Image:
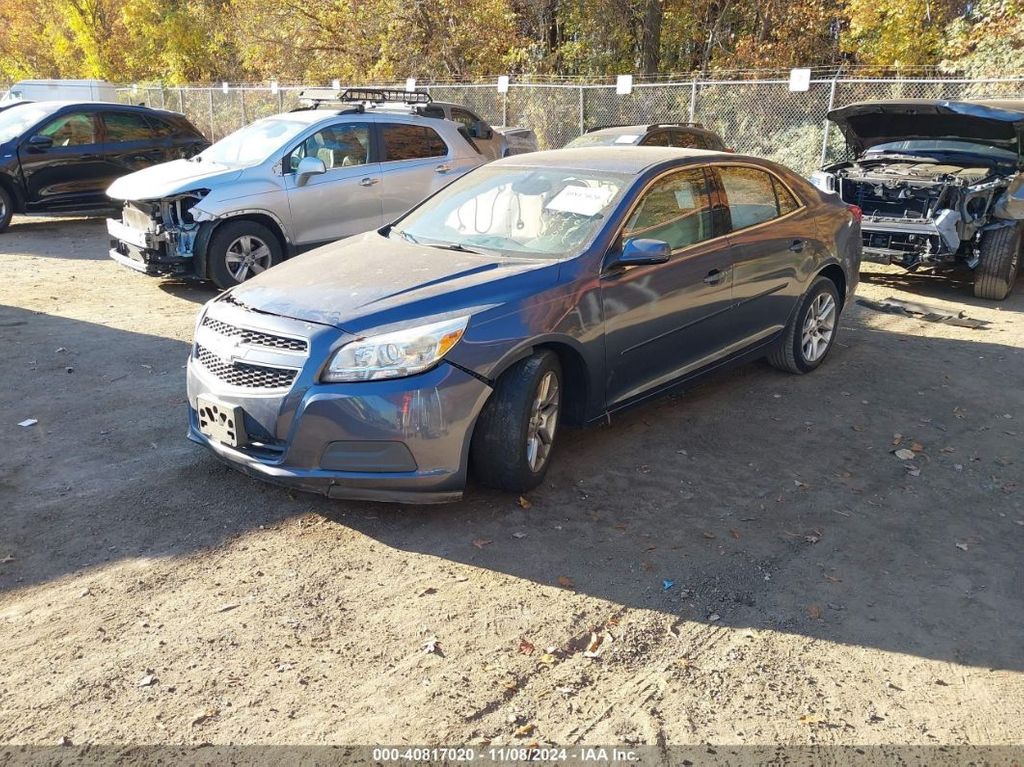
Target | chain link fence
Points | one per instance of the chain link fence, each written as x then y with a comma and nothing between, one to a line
760,117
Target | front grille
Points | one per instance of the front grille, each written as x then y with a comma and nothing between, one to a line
243,374
256,337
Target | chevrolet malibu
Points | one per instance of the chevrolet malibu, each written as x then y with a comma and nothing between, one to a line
544,289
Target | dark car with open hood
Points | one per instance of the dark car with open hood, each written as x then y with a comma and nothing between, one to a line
939,184
60,156
541,289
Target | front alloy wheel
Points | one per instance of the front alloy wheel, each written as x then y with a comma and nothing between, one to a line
543,419
247,256
515,433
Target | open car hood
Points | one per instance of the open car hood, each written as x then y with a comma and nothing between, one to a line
869,123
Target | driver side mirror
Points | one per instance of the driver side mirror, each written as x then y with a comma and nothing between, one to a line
641,251
309,166
40,143
481,130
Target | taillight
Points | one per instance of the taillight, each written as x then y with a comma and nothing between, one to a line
856,212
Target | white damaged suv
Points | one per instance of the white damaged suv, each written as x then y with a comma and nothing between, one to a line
286,183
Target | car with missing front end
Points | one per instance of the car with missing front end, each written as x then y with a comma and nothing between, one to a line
287,183
539,290
939,183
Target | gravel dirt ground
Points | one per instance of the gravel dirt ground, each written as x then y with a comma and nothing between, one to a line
763,567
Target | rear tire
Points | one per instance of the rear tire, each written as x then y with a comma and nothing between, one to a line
6,208
239,250
999,264
811,331
515,434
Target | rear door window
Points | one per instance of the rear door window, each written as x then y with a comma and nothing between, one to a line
465,117
411,142
122,127
750,195
676,209
74,129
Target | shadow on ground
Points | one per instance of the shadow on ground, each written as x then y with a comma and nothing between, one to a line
757,499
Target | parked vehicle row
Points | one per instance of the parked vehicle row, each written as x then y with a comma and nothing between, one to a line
473,302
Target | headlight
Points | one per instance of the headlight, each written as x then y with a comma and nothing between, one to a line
824,181
395,355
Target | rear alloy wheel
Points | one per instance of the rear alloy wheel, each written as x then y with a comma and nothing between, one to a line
999,262
515,434
811,331
239,250
6,208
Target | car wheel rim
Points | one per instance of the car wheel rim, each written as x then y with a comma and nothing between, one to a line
540,433
819,327
246,256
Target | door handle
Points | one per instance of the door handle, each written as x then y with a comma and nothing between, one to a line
368,181
443,168
796,246
715,276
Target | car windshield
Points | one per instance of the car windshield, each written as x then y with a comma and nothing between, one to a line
517,211
254,143
603,139
924,146
18,119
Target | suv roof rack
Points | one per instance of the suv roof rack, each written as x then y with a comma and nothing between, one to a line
363,95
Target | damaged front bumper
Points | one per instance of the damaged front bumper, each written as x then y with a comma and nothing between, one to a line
911,242
143,240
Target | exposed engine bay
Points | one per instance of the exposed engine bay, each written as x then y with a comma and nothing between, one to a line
919,210
163,227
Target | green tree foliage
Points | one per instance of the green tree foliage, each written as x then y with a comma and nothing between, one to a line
211,40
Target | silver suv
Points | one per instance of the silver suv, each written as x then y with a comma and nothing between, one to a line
285,183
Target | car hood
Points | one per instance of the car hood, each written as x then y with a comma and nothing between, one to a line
869,123
370,281
170,178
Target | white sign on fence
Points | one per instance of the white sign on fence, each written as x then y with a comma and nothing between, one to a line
503,84
624,85
799,79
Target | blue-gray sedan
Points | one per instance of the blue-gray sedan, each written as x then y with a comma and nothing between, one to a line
544,289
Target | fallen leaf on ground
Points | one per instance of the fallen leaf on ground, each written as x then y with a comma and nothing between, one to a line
204,715
548,659
917,447
812,719
481,542
597,644
814,612
734,533
832,578
566,582
709,535
526,647
905,455
524,502
525,730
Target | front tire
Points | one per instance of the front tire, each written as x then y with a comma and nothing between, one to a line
999,262
6,208
811,331
515,433
239,250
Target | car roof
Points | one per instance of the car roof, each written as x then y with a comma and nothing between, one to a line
609,159
53,106
625,130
